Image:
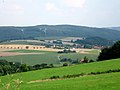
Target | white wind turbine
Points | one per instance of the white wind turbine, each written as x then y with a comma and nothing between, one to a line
45,31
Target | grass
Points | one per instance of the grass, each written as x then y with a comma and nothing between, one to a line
97,82
45,57
75,69
96,52
33,59
49,38
29,51
17,42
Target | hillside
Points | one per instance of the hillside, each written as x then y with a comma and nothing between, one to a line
35,80
115,28
31,32
99,41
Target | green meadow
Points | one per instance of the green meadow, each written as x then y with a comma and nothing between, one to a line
98,82
109,81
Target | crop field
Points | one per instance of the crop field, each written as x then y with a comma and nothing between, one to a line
32,57
98,82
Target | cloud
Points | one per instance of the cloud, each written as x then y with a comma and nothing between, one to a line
74,3
18,8
12,9
50,6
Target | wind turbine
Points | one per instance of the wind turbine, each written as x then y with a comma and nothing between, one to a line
40,29
22,30
45,31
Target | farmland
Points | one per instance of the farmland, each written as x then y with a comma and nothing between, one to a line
98,82
32,57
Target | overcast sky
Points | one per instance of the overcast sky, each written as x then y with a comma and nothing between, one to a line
98,13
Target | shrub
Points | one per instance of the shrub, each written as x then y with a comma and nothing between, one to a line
65,64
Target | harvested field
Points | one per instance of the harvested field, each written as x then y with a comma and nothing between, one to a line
35,47
15,53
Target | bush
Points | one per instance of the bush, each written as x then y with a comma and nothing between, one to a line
65,64
54,77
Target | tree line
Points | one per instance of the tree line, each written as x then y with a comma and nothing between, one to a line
16,67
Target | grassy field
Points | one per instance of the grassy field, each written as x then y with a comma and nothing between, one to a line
29,51
98,82
47,56
23,42
17,42
32,42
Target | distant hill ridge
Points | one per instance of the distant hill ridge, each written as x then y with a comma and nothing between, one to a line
30,32
95,41
115,28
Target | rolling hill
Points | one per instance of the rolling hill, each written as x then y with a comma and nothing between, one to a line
115,28
36,80
99,41
30,32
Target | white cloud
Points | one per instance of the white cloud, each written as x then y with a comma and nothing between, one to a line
18,8
74,3
50,6
12,9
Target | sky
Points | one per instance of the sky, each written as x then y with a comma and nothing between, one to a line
94,13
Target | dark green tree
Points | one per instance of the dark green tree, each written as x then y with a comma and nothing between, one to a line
65,64
24,68
112,52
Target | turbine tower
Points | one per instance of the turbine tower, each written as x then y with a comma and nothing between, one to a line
45,31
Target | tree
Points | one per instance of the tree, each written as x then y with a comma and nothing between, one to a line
1,71
37,66
65,64
112,52
24,68
51,65
7,69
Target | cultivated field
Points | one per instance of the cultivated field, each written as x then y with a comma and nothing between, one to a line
109,81
39,54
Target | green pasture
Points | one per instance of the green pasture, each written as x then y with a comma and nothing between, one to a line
16,42
45,57
29,51
98,82
49,38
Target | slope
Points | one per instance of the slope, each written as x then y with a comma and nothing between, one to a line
106,79
7,33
